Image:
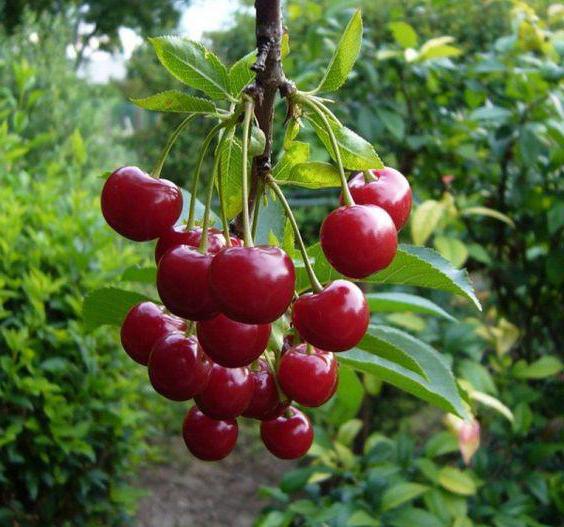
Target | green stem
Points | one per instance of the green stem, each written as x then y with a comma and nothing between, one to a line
315,284
369,176
249,108
156,173
256,208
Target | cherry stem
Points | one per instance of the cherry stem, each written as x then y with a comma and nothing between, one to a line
315,284
319,109
369,176
156,173
309,349
223,210
256,208
195,182
281,395
249,109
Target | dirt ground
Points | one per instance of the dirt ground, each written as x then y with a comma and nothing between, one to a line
186,492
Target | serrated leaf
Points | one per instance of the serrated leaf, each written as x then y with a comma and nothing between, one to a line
451,249
401,493
191,63
457,481
108,306
240,74
231,167
485,211
295,153
403,34
394,302
425,219
175,101
344,57
313,175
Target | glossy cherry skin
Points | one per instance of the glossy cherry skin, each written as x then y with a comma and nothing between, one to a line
178,368
253,285
178,235
334,319
208,439
288,436
144,324
359,240
182,283
232,344
265,403
139,206
309,378
390,190
228,393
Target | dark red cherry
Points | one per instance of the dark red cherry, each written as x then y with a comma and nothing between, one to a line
144,324
359,240
232,344
227,394
253,285
139,206
388,189
288,436
182,283
265,403
308,377
178,368
334,319
208,439
178,235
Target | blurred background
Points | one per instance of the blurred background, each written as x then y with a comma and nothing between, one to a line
463,96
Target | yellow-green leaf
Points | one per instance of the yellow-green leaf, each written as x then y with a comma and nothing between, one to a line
457,481
425,220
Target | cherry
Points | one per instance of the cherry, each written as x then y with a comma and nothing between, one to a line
178,235
308,377
288,436
265,403
388,189
359,240
208,439
144,324
178,368
232,344
227,394
182,283
139,206
334,319
253,285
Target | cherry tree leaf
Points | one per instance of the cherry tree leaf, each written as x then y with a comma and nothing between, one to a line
176,101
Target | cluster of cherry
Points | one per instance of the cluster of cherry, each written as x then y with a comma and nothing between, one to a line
212,339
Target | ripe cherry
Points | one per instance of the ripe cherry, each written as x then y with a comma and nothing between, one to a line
232,344
334,319
308,377
144,324
182,283
178,368
359,240
253,285
227,394
139,206
208,439
265,403
386,188
288,436
178,235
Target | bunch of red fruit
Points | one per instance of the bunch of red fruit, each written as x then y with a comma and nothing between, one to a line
211,340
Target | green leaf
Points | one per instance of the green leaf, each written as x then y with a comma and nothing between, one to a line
437,386
544,367
231,167
492,402
437,48
191,63
451,249
240,74
271,220
356,152
412,516
347,401
403,34
348,431
485,211
392,121
175,101
313,175
457,481
440,444
362,519
425,220
490,113
142,275
401,493
344,57
393,302
108,305
295,153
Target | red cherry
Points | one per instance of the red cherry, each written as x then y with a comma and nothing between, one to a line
143,325
390,190
288,436
182,283
334,319
359,240
178,368
139,206
253,285
178,235
309,378
208,439
227,394
232,344
265,403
